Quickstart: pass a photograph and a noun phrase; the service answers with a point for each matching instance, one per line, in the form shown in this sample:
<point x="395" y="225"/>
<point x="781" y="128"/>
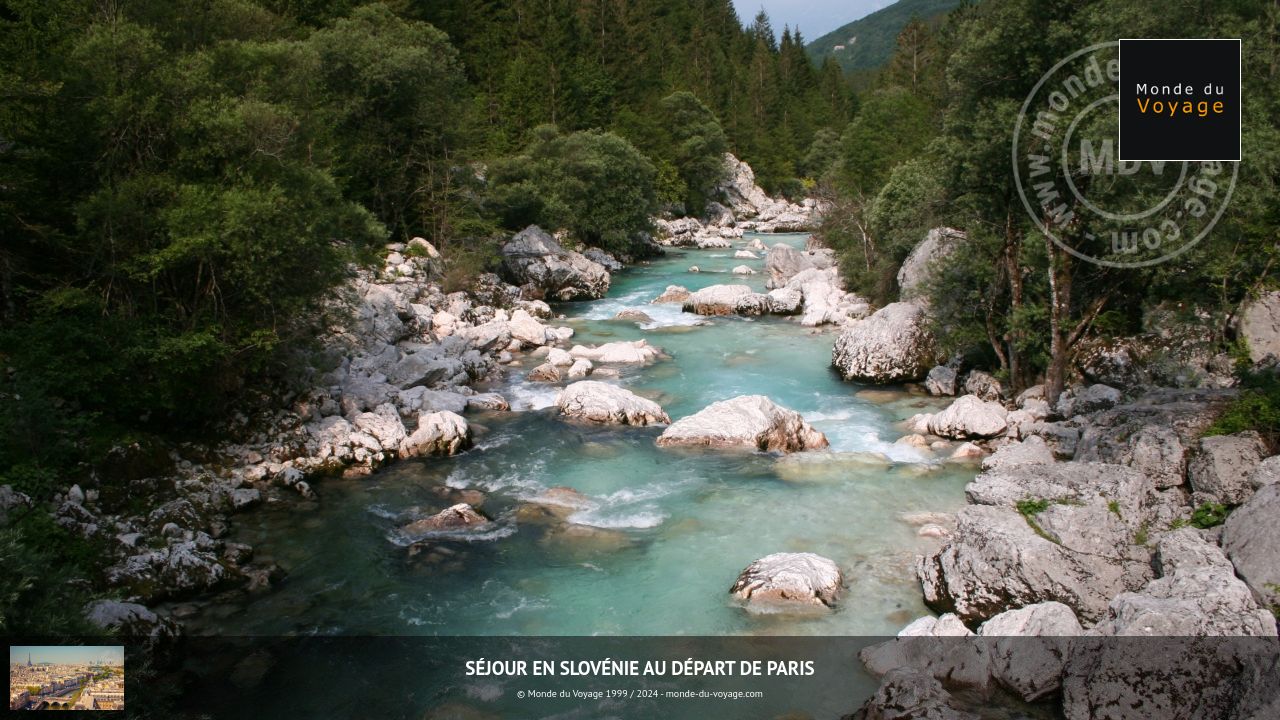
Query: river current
<point x="665" y="531"/>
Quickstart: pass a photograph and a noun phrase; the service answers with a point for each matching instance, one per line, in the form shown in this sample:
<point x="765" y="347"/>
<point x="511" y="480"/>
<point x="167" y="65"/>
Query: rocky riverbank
<point x="1097" y="516"/>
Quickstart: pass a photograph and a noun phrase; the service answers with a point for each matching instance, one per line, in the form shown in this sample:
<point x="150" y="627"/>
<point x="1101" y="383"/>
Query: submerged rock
<point x="618" y="353"/>
<point x="893" y="345"/>
<point x="605" y="403"/>
<point x="748" y="421"/>
<point x="458" y="517"/>
<point x="782" y="580"/>
<point x="673" y="294"/>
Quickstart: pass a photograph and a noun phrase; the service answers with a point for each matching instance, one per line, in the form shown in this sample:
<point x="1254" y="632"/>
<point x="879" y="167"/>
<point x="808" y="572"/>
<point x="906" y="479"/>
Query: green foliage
<point x="1033" y="506"/>
<point x="697" y="149"/>
<point x="1209" y="515"/>
<point x="594" y="184"/>
<point x="1256" y="408"/>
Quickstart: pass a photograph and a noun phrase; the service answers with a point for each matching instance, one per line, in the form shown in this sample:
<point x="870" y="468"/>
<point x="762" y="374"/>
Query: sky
<point x="814" y="17"/>
<point x="66" y="654"/>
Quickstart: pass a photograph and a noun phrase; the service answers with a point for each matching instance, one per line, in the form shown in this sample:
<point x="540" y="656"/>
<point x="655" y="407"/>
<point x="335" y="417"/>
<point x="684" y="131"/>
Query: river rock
<point x="727" y="300"/>
<point x="1028" y="647"/>
<point x="458" y="517"/>
<point x="634" y="352"/>
<point x="748" y="421"/>
<point x="785" y="301"/>
<point x="559" y="357"/>
<point x="941" y="380"/>
<point x="1260" y="326"/>
<point x="783" y="580"/>
<point x="534" y="258"/>
<point x="526" y="328"/>
<point x="743" y="270"/>
<point x="438" y="433"/>
<point x="673" y="294"/>
<point x="605" y="403"/>
<point x="580" y="368"/>
<point x="383" y="425"/>
<point x="969" y="417"/>
<point x="916" y="271"/>
<point x="717" y="215"/>
<point x="546" y="372"/>
<point x="633" y="315"/>
<point x="603" y="259"/>
<point x="1221" y="467"/>
<point x="1251" y="539"/>
<point x="745" y="255"/>
<point x="893" y="345"/>
<point x="130" y="620"/>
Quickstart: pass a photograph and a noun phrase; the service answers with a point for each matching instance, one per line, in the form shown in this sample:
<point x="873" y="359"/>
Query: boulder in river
<point x="747" y="421"/>
<point x="673" y="294"/>
<point x="633" y="315"/>
<point x="458" y="517"/>
<point x="789" y="580"/>
<point x="622" y="352"/>
<point x="893" y="345"/>
<point x="941" y="381"/>
<point x="534" y="258"/>
<point x="784" y="262"/>
<point x="438" y="433"/>
<point x="727" y="300"/>
<point x="605" y="403"/>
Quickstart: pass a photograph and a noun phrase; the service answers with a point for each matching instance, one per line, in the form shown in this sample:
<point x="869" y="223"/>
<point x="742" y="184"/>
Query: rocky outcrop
<point x="534" y="259"/>
<point x="893" y="345"/>
<point x="998" y="559"/>
<point x="823" y="299"/>
<point x="1251" y="539"/>
<point x="604" y="403"/>
<point x="914" y="274"/>
<point x="129" y="620"/>
<point x="906" y="693"/>
<point x="748" y="421"/>
<point x="1221" y="466"/>
<point x="784" y="581"/>
<point x="727" y="300"/>
<point x="1032" y="451"/>
<point x="784" y="262"/>
<point x="968" y="418"/>
<point x="1197" y="593"/>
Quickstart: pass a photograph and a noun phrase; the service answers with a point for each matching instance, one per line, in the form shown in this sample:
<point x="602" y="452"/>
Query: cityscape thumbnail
<point x="66" y="677"/>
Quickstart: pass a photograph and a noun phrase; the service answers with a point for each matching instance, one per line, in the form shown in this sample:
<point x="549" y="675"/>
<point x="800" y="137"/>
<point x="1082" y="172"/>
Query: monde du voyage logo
<point x="1125" y="153"/>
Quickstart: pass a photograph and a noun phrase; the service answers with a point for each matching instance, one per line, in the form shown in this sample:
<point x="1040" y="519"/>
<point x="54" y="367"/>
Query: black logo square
<point x="1179" y="100"/>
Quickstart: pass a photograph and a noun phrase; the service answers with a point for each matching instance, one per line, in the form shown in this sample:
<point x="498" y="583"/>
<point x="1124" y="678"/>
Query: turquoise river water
<point x="667" y="531"/>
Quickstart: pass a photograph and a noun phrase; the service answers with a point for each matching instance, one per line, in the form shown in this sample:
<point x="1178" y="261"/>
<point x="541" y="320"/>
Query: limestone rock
<point x="438" y="433"/>
<point x="969" y="417"/>
<point x="1221" y="468"/>
<point x="727" y="300"/>
<point x="457" y="517"/>
<point x="893" y="345"/>
<point x="782" y="580"/>
<point x="618" y="353"/>
<point x="1260" y="326"/>
<point x="673" y="294"/>
<point x="533" y="257"/>
<point x="1251" y="539"/>
<point x="748" y="421"/>
<point x="941" y="381"/>
<point x="914" y="275"/>
<point x="605" y="403"/>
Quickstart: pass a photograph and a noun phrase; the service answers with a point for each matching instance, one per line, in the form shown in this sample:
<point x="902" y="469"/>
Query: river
<point x="667" y="531"/>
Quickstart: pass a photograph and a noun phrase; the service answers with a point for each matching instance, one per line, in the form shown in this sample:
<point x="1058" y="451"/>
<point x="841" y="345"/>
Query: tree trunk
<point x="1059" y="312"/>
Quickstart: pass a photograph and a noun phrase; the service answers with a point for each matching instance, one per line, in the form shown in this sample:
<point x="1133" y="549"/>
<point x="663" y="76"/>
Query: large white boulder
<point x="789" y="580"/>
<point x="748" y="421"/>
<point x="893" y="345"/>
<point x="438" y="433"/>
<point x="605" y="403"/>
<point x="533" y="257"/>
<point x="968" y="417"/>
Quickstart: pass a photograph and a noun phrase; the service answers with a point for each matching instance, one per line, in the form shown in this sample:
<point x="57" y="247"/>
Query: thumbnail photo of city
<point x="66" y="677"/>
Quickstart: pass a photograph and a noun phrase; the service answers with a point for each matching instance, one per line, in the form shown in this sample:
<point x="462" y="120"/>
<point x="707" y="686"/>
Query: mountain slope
<point x="868" y="42"/>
